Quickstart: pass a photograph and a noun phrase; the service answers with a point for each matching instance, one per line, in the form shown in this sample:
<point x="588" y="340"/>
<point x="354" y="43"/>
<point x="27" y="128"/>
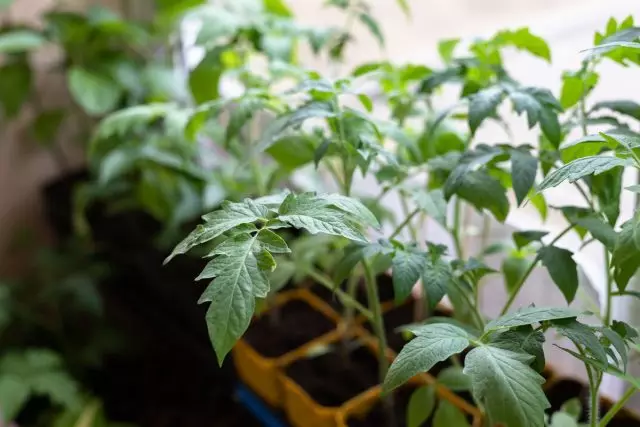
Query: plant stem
<point x="617" y="407"/>
<point x="455" y="231"/>
<point x="525" y="276"/>
<point x="352" y="285"/>
<point x="346" y="299"/>
<point x="593" y="391"/>
<point x="376" y="319"/>
<point x="608" y="303"/>
<point x="404" y="223"/>
<point x="472" y="307"/>
<point x="405" y="210"/>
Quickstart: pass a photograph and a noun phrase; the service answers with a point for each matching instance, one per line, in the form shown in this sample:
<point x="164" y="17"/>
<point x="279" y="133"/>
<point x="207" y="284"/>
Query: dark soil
<point x="397" y="317"/>
<point x="296" y="324"/>
<point x="333" y="378"/>
<point x="566" y="389"/>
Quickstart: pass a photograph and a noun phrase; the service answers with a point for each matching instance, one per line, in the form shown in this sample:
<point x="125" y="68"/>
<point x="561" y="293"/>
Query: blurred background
<point x="172" y="366"/>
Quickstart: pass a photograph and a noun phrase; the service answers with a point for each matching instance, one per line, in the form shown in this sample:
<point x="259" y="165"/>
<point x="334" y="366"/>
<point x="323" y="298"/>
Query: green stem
<point x="608" y="304"/>
<point x="352" y="285"/>
<point x="404" y="223"/>
<point x="455" y="231"/>
<point x="345" y="299"/>
<point x="405" y="210"/>
<point x="472" y="308"/>
<point x="593" y="390"/>
<point x="376" y="319"/>
<point x="516" y="290"/>
<point x="617" y="407"/>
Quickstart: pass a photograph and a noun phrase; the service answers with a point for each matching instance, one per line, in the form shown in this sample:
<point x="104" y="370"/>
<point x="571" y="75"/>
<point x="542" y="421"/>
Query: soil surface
<point x="291" y="326"/>
<point x="333" y="378"/>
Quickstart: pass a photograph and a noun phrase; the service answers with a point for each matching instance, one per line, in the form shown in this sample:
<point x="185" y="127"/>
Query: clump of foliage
<point x="336" y="126"/>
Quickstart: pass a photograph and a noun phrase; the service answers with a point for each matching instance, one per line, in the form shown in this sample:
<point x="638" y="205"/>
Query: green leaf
<point x="373" y="27"/>
<point x="454" y="379"/>
<point x="514" y="268"/>
<point x="524" y="168"/>
<point x="572" y="407"/>
<point x="589" y="145"/>
<point x="293" y="151"/>
<point x="95" y="93"/>
<point x="229" y="216"/>
<point x="618" y="343"/>
<point x="273" y="243"/>
<point x="447" y="415"/>
<point x="624" y="107"/>
<point x="446" y="48"/>
<point x="421" y="405"/>
<point x="523" y="39"/>
<point x="562" y="269"/>
<point x="317" y="216"/>
<point x="407" y="266"/>
<point x="351" y="206"/>
<point x="509" y="389"/>
<point x="599" y="229"/>
<point x="539" y="202"/>
<point x="551" y="126"/>
<point x="433" y="343"/>
<point x="14" y="393"/>
<point x="19" y="41"/>
<point x="204" y="79"/>
<point x="483" y="104"/>
<point x="523" y="238"/>
<point x="436" y="279"/>
<point x="529" y="315"/>
<point x="278" y="7"/>
<point x="131" y="119"/>
<point x="575" y="86"/>
<point x="523" y="339"/>
<point x="5" y="3"/>
<point x="581" y="334"/>
<point x="34" y="372"/>
<point x="560" y="419"/>
<point x="580" y="168"/>
<point x="404" y="5"/>
<point x="433" y="204"/>
<point x="242" y="112"/>
<point x="310" y="110"/>
<point x="240" y="277"/>
<point x="15" y="86"/>
<point x="625" y="259"/>
<point x="46" y="125"/>
<point x="484" y="192"/>
<point x="606" y="188"/>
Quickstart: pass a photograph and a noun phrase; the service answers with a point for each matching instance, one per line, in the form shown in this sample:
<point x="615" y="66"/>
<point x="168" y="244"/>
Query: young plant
<point x="507" y="353"/>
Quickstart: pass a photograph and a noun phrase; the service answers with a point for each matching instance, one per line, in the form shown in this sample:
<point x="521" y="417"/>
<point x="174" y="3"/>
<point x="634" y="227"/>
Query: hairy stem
<point x="345" y="298"/>
<point x="593" y="390"/>
<point x="404" y="223"/>
<point x="617" y="407"/>
<point x="516" y="290"/>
